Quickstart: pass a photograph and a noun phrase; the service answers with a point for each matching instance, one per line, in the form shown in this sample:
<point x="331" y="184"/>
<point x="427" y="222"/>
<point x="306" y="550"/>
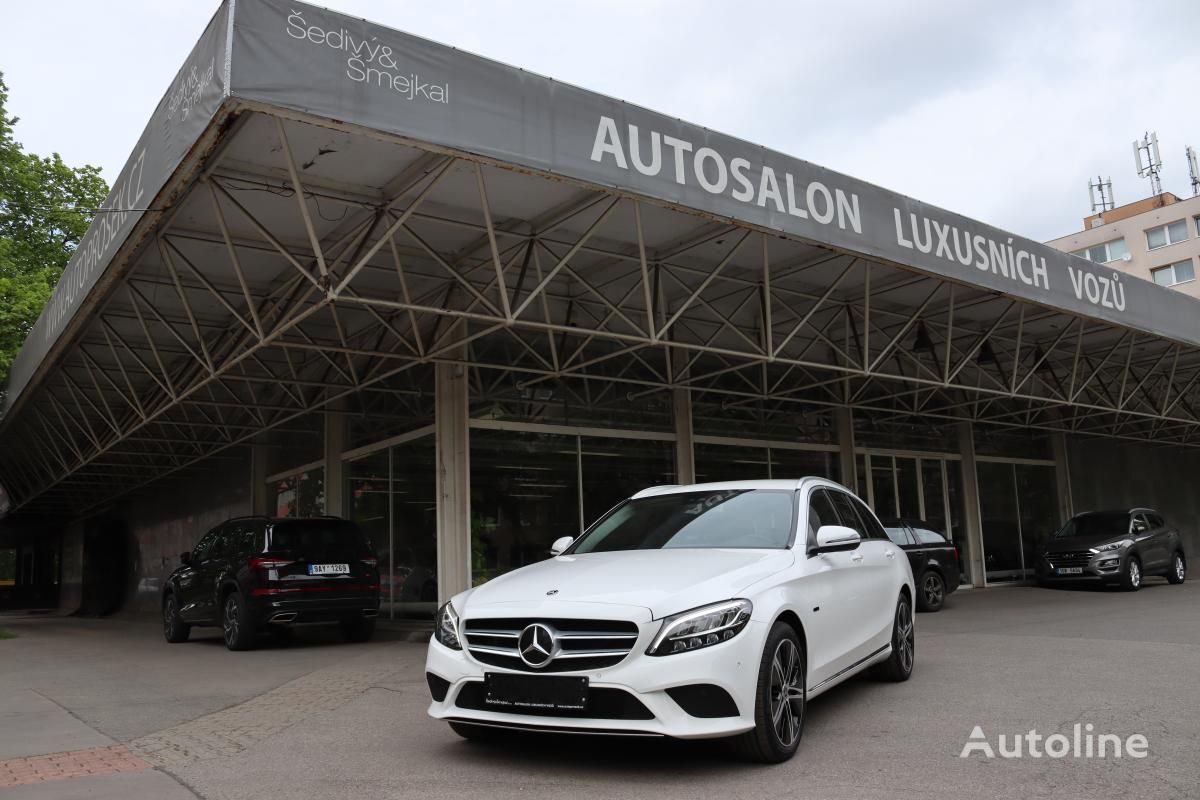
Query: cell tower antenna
<point x="1193" y="169"/>
<point x="1148" y="161"/>
<point x="1101" y="195"/>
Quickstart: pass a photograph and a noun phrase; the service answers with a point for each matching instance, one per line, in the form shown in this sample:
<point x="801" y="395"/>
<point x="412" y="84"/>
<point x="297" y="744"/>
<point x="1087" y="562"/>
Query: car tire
<point x="1131" y="576"/>
<point x="358" y="630"/>
<point x="899" y="664"/>
<point x="175" y="630"/>
<point x="474" y="733"/>
<point x="1178" y="571"/>
<point x="780" y="699"/>
<point x="931" y="591"/>
<point x="237" y="627"/>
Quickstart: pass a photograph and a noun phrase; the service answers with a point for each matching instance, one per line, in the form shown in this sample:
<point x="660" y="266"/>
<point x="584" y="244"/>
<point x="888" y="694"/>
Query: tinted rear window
<point x="319" y="538"/>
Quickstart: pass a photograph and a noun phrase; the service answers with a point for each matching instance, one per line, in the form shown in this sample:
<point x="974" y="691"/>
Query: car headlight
<point x="701" y="627"/>
<point x="446" y="627"/>
<point x="1117" y="545"/>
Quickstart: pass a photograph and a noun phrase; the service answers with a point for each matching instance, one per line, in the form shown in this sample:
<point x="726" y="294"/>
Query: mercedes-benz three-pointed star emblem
<point x="536" y="645"/>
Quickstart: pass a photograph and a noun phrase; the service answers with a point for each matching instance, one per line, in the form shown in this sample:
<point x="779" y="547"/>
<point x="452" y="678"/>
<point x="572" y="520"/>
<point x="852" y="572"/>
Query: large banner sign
<point x="177" y="123"/>
<point x="310" y="59"/>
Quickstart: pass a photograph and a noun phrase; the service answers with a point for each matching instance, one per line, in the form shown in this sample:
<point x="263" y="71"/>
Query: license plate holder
<point x="328" y="569"/>
<point x="539" y="692"/>
<point x="1070" y="571"/>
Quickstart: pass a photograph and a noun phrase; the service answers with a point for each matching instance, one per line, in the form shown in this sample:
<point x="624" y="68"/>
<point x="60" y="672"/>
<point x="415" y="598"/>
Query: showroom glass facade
<point x="530" y="487"/>
<point x="533" y="482"/>
<point x="918" y="486"/>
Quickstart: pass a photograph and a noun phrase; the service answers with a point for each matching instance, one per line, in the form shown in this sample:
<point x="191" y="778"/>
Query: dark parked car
<point x="933" y="559"/>
<point x="1114" y="547"/>
<point x="254" y="574"/>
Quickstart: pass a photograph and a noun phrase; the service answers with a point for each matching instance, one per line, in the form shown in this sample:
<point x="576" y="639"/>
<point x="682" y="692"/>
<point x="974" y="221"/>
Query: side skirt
<point x="862" y="663"/>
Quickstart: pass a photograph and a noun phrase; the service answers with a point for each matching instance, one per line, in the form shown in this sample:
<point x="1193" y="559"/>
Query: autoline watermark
<point x="1082" y="743"/>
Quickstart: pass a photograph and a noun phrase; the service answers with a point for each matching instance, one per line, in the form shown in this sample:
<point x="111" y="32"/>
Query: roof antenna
<point x="1101" y="195"/>
<point x="1193" y="169"/>
<point x="1148" y="161"/>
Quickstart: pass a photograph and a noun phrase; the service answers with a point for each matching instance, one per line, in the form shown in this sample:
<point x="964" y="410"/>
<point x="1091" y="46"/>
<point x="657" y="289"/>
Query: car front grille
<point x="1077" y="559"/>
<point x="580" y="644"/>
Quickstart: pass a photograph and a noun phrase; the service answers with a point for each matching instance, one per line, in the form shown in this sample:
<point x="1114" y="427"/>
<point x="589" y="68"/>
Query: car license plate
<point x="502" y="690"/>
<point x="1070" y="570"/>
<point x="328" y="569"/>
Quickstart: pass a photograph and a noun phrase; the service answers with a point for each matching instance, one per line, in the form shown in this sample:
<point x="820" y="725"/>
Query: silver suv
<point x="1114" y="547"/>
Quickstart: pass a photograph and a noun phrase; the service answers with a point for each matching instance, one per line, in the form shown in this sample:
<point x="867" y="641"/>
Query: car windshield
<point x="1096" y="524"/>
<point x="744" y="518"/>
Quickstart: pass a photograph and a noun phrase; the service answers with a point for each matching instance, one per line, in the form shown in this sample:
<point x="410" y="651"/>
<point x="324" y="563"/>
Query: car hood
<point x="664" y="582"/>
<point x="1076" y="543"/>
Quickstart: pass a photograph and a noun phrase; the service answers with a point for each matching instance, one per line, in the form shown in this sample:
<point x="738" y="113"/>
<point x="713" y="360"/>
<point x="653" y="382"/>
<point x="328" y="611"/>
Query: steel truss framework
<point x="313" y="264"/>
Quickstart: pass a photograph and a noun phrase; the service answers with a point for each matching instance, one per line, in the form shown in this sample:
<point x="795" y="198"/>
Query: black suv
<point x="1114" y="547"/>
<point x="252" y="574"/>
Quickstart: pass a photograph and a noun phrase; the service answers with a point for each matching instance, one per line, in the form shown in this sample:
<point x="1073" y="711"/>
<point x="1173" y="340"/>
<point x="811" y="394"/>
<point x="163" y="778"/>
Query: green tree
<point x="45" y="207"/>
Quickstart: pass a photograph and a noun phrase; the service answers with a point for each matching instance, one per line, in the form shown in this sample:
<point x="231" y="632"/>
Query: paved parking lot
<point x="316" y="718"/>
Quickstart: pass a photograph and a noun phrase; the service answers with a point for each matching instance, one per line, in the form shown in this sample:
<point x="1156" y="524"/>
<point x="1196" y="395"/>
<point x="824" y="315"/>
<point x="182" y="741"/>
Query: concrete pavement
<point x="325" y="720"/>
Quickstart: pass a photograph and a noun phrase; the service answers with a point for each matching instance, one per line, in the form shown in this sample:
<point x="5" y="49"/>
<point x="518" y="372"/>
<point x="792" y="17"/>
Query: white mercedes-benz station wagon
<point x="713" y="610"/>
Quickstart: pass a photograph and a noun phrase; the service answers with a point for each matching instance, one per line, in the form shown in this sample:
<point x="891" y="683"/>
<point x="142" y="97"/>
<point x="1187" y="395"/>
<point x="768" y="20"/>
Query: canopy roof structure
<point x="322" y="208"/>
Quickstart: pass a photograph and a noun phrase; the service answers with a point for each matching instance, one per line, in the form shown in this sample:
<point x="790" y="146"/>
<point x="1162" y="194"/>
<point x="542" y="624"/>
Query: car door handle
<point x="890" y="553"/>
<point x="857" y="557"/>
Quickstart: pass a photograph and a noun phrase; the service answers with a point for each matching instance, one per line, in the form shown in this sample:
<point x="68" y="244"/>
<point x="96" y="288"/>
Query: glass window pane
<point x="1177" y="231"/>
<point x="1117" y="249"/>
<point x="795" y="464"/>
<point x="1038" y="490"/>
<point x="1184" y="271"/>
<point x="614" y="469"/>
<point x="718" y="462"/>
<point x="1098" y="253"/>
<point x="1164" y="276"/>
<point x="907" y="482"/>
<point x="1001" y="522"/>
<point x="310" y="493"/>
<point x="413" y="569"/>
<point x="897" y="533"/>
<point x="1156" y="237"/>
<point x="524" y="495"/>
<point x="368" y="498"/>
<point x="883" y="486"/>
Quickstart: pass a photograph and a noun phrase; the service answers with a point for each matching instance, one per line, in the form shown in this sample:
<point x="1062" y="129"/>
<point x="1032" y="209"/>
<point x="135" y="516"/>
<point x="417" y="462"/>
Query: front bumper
<point x="1107" y="567"/>
<point x="732" y="666"/>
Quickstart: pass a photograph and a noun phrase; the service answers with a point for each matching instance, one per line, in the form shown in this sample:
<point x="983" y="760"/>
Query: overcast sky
<point x="997" y="110"/>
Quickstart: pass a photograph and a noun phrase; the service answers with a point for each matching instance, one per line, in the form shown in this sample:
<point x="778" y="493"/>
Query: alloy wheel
<point x="787" y="692"/>
<point x="932" y="587"/>
<point x="905" y="635"/>
<point x="1180" y="569"/>
<point x="231" y="621"/>
<point x="1135" y="574"/>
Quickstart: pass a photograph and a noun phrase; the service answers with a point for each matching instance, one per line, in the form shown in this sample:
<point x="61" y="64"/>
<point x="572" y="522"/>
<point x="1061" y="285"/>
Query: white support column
<point x="972" y="517"/>
<point x="1062" y="473"/>
<point x="685" y="454"/>
<point x="452" y="410"/>
<point x="335" y="445"/>
<point x="843" y="420"/>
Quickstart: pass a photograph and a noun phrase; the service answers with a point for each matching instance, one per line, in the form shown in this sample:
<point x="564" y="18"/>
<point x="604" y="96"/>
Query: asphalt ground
<point x="316" y="718"/>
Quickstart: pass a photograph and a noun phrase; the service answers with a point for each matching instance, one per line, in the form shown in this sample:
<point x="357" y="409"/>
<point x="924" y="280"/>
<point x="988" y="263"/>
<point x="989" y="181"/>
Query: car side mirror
<point x="560" y="544"/>
<point x="185" y="558"/>
<point x="836" y="539"/>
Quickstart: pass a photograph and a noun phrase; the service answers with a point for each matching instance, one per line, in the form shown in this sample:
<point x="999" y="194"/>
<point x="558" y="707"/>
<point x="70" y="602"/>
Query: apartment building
<point x="1157" y="238"/>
